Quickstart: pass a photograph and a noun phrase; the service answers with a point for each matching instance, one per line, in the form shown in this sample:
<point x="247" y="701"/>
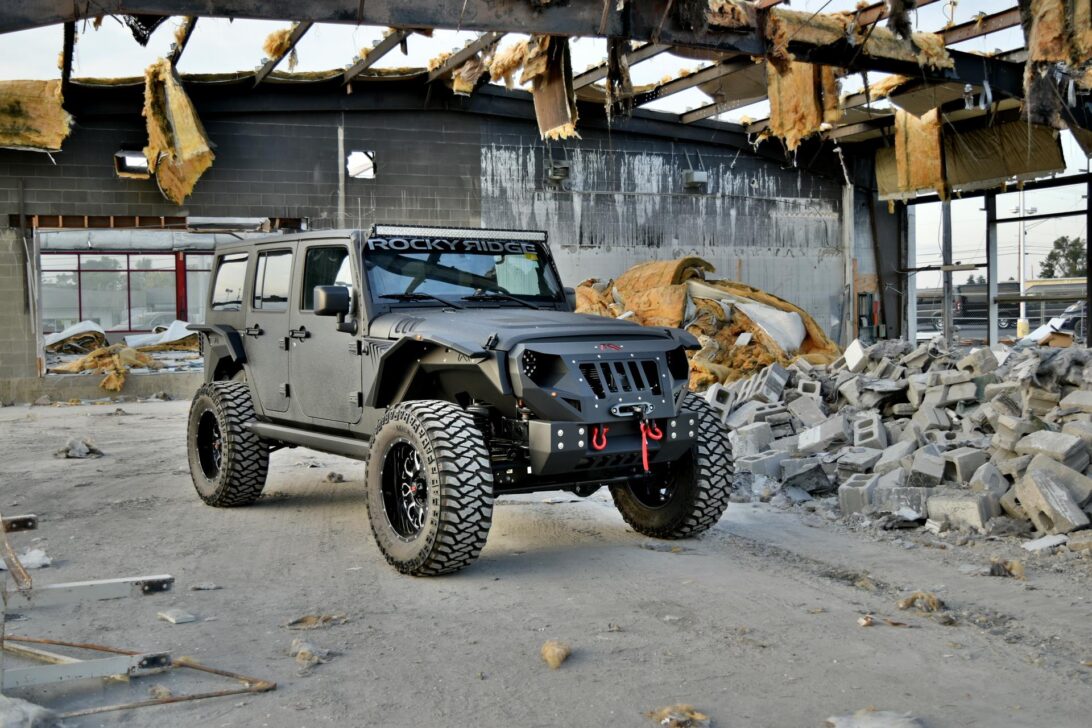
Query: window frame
<point x="218" y="264"/>
<point x="78" y="269"/>
<point x="258" y="267"/>
<point x="303" y="272"/>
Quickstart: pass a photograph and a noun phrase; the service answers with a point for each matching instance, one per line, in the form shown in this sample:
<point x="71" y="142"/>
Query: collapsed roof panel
<point x="32" y="116"/>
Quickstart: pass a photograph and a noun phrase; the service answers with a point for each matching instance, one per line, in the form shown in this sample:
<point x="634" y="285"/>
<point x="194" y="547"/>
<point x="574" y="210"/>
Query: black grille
<point x="619" y="377"/>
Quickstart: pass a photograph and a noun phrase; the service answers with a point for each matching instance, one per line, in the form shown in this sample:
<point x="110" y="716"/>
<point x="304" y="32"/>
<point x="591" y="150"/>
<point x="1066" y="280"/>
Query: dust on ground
<point x="754" y="624"/>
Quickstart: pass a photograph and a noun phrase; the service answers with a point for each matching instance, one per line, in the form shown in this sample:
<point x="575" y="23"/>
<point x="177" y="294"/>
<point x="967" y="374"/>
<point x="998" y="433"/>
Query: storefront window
<point x="119" y="291"/>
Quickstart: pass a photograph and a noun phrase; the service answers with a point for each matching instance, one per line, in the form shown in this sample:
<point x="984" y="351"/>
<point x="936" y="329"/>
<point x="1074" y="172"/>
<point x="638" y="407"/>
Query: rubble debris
<point x="554" y="653"/>
<point x="32" y="116"/>
<point x="744" y="329"/>
<point x="176" y="616"/>
<point x="1045" y="543"/>
<point x="872" y="718"/>
<point x="160" y="692"/>
<point x="178" y="149"/>
<point x="307" y="655"/>
<point x="19" y="713"/>
<point x="205" y="586"/>
<point x="924" y="601"/>
<point x="79" y="338"/>
<point x="79" y="448"/>
<point x="317" y="621"/>
<point x="30" y="559"/>
<point x="679" y="716"/>
<point x="114" y="361"/>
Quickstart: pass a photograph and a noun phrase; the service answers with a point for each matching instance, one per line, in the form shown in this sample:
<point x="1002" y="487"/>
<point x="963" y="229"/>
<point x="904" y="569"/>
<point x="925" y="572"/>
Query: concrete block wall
<point x="18" y="344"/>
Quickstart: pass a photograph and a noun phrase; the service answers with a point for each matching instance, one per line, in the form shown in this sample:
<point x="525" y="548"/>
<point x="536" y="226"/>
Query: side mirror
<point x="332" y="300"/>
<point x="570" y="298"/>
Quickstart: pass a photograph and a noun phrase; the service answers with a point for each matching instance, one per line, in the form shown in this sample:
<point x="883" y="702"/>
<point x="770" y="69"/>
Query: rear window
<point x="272" y="278"/>
<point x="227" y="291"/>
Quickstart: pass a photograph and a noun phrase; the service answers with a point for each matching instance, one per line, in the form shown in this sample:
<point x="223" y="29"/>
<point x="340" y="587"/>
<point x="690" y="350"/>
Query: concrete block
<point x="802" y="365"/>
<point x="859" y="459"/>
<point x="1048" y="503"/>
<point x="831" y="432"/>
<point x="851" y="391"/>
<point x="1080" y="429"/>
<point x="1059" y="446"/>
<point x="1078" y="484"/>
<point x="1010" y="430"/>
<point x="743" y="415"/>
<point x="935" y="396"/>
<point x="882" y="368"/>
<point x="721" y="400"/>
<point x="767" y="463"/>
<point x="1011" y="389"/>
<point x="868" y="431"/>
<point x="751" y="439"/>
<point x="981" y="382"/>
<point x="808" y="409"/>
<point x="913" y="433"/>
<point x="767" y="385"/>
<point x="903" y="409"/>
<point x="1008" y="404"/>
<point x="893" y="499"/>
<point x="890" y="457"/>
<point x="916" y="386"/>
<point x="931" y="418"/>
<point x="785" y="444"/>
<point x="927" y="470"/>
<point x="809" y="388"/>
<point x="979" y="361"/>
<point x="963" y="509"/>
<point x="1011" y="464"/>
<point x="855" y="494"/>
<point x="965" y="392"/>
<point x="988" y="479"/>
<point x="953" y="376"/>
<point x="1040" y="401"/>
<point x="963" y="462"/>
<point x="916" y="359"/>
<point x="805" y="473"/>
<point x="1080" y="400"/>
<point x="1010" y="504"/>
<point x="856" y="356"/>
<point x="943" y="439"/>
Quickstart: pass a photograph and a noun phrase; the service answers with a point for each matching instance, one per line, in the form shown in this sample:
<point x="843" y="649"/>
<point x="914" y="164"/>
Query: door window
<point x="272" y="279"/>
<point x="227" y="292"/>
<point x="325" y="266"/>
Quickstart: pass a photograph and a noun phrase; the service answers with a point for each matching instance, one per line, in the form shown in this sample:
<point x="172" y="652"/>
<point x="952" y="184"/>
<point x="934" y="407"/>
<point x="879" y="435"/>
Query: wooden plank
<point x="298" y="31"/>
<point x="461" y="56"/>
<point x="388" y="43"/>
<point x="635" y="56"/>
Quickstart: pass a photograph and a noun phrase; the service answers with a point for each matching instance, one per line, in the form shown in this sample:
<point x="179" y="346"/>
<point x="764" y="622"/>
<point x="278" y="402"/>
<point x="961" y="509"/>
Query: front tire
<point x="686" y="497"/>
<point x="429" y="488"/>
<point x="228" y="462"/>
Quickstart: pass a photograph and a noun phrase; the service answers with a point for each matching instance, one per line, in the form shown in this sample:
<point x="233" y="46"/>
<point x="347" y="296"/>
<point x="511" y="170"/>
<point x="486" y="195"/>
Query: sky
<point x="220" y="45"/>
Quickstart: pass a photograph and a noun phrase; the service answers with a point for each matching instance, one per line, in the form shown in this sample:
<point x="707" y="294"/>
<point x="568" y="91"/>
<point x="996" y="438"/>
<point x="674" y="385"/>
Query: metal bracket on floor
<point x="25" y="595"/>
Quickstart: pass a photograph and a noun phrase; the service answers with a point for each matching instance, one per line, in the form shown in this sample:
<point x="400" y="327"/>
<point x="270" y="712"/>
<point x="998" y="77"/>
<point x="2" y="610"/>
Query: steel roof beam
<point x="635" y="56"/>
<point x="388" y="43"/>
<point x="294" y="37"/>
<point x="464" y="54"/>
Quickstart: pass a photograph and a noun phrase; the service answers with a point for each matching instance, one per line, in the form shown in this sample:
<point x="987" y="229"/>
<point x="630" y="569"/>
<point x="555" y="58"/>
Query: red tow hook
<point x="649" y="431"/>
<point x="599" y="438"/>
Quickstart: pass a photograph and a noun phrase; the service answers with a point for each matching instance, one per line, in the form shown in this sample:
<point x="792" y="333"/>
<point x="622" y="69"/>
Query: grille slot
<point x="622" y="377"/>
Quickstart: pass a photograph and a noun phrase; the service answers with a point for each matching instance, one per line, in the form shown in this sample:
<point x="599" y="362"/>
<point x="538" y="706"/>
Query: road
<point x="756" y="623"/>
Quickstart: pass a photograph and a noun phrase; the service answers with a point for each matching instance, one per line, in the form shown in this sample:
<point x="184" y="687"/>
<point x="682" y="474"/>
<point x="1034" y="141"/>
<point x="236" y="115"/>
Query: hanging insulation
<point x="466" y="76"/>
<point x="507" y="61"/>
<point x="797" y="107"/>
<point x="918" y="152"/>
<point x="278" y="43"/>
<point x="1046" y="35"/>
<point x="32" y="116"/>
<point x="178" y="150"/>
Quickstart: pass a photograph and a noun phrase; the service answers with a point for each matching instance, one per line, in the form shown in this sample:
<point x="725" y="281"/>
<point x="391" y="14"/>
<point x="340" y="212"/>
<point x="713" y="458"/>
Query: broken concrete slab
<point x="979" y="361"/>
<point x="962" y="509"/>
<point x="1044" y="543"/>
<point x="821" y="437"/>
<point x="1080" y="400"/>
<point x="1048" y="502"/>
<point x="890" y="457"/>
<point x="808" y="410"/>
<point x="988" y="479"/>
<point x="1078" y="484"/>
<point x="1059" y="446"/>
<point x="931" y="418"/>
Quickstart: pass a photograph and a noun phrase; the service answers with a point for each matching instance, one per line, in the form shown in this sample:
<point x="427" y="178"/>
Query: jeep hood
<point x="469" y="329"/>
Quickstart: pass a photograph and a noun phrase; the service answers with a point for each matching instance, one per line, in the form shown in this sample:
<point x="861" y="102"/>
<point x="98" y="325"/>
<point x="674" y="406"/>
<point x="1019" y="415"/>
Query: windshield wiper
<point x="419" y="297"/>
<point x="481" y="295"/>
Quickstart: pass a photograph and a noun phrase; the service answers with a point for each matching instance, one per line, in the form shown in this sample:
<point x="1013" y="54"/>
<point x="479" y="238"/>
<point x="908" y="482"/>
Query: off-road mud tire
<point x="244" y="457"/>
<point x="701" y="488"/>
<point x="459" y="480"/>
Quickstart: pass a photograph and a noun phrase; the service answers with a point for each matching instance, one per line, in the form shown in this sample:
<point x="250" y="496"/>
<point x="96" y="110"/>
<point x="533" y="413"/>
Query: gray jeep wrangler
<point x="451" y="362"/>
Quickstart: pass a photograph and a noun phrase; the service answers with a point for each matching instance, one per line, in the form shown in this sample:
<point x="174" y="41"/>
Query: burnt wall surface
<point x="475" y="161"/>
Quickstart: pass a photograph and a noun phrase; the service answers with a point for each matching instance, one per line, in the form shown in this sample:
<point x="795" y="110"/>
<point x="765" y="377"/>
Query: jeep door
<point x="325" y="363"/>
<point x="267" y="325"/>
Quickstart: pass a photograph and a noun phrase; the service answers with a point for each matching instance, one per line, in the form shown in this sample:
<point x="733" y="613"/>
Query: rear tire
<point x="686" y="497"/>
<point x="228" y="462"/>
<point x="429" y="488"/>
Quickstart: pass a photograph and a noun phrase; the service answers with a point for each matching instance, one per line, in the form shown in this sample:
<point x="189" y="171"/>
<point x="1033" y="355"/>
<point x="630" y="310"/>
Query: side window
<point x="272" y="279"/>
<point x="325" y="267"/>
<point x="227" y="291"/>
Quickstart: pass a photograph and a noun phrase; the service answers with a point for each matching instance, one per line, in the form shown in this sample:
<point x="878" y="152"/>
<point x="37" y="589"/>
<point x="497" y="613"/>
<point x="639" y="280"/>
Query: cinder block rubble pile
<point x="944" y="439"/>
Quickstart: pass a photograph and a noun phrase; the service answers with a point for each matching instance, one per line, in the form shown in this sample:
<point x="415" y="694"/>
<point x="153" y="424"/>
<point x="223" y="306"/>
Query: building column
<point x="991" y="269"/>
<point x="946" y="260"/>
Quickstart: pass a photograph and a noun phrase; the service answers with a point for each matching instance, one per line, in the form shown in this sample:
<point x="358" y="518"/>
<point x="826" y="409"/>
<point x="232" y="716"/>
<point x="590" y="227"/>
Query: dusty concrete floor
<point x="756" y="623"/>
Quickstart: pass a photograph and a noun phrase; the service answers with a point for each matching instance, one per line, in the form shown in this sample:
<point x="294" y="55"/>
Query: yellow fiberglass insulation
<point x="1046" y="38"/>
<point x="507" y="61"/>
<point x="178" y="150"/>
<point x="32" y="115"/>
<point x="919" y="156"/>
<point x="727" y="14"/>
<point x="466" y="76"/>
<point x="796" y="103"/>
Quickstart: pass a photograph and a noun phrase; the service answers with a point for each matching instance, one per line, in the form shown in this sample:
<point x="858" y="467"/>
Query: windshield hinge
<point x="491" y="341"/>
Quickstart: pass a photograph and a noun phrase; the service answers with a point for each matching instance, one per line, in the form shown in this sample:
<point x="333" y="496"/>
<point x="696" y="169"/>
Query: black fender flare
<point x="397" y="366"/>
<point x="229" y="345"/>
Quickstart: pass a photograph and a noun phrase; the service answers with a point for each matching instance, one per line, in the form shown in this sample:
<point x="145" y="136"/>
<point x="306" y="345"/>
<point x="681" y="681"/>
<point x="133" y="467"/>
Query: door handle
<point x="254" y="330"/>
<point x="300" y="333"/>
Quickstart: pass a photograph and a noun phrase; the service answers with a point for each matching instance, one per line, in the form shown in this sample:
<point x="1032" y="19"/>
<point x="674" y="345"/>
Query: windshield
<point x="460" y="270"/>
